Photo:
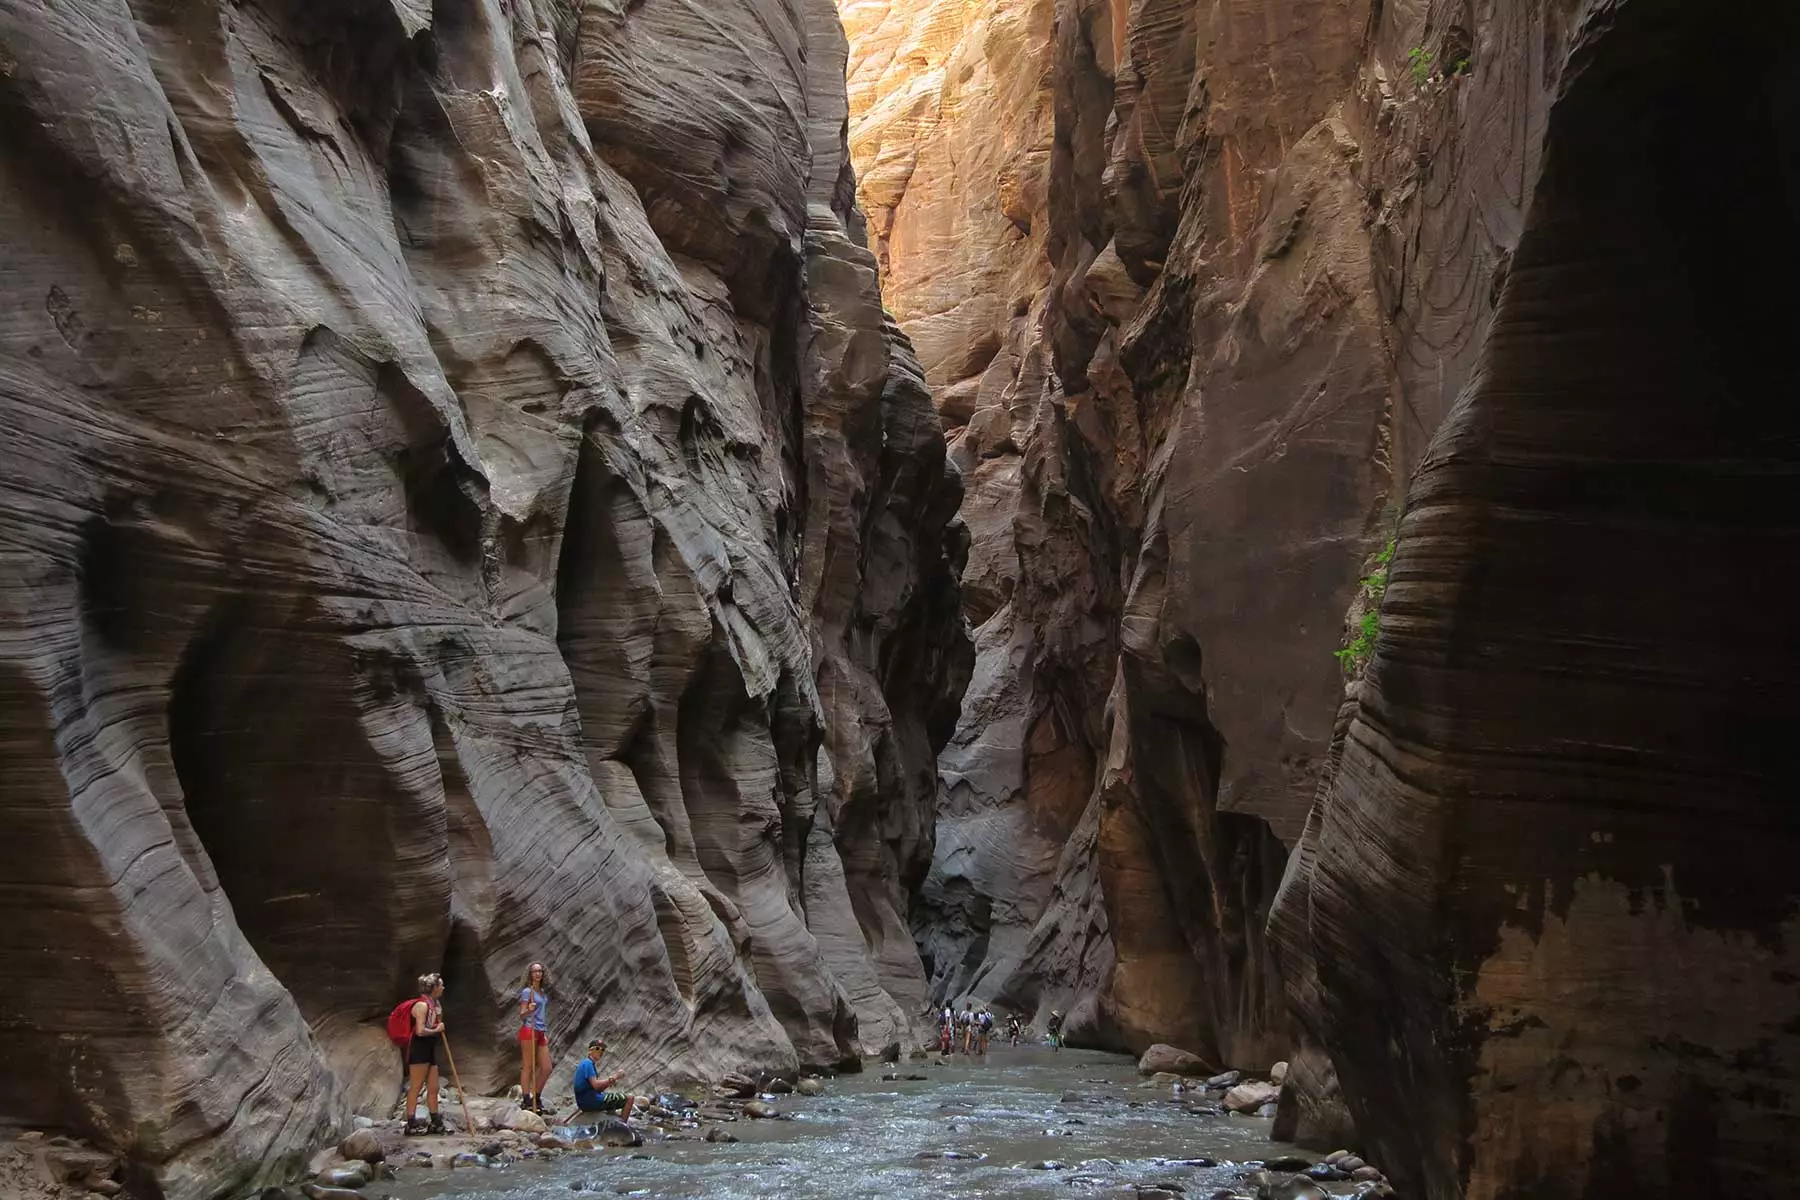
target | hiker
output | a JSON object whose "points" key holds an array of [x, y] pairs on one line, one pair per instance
{"points": [[986, 1022], [591, 1095], [534, 1037], [1013, 1029], [1055, 1024], [968, 1027], [422, 1048], [946, 1020]]}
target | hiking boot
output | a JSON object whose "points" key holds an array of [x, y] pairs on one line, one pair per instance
{"points": [[530, 1103], [414, 1128], [436, 1124]]}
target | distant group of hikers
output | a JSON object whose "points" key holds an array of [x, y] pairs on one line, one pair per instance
{"points": [[970, 1029], [416, 1026]]}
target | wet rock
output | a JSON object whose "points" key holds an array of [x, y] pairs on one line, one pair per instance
{"points": [[1248, 1097], [1164, 1057], [612, 1132], [1287, 1163], [915, 1077], [1224, 1080], [761, 1110], [1325, 1173], [810, 1086], [950, 1155], [1272, 1186], [1268, 1109], [1049, 1164], [721, 1136], [353, 1176], [778, 1087], [736, 1087], [1158, 1192], [319, 1191], [1278, 1073], [104, 1187], [1365, 1174], [362, 1145], [1164, 1079], [1348, 1163]]}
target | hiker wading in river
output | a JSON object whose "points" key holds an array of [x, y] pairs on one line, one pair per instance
{"points": [[422, 1055], [534, 1037]]}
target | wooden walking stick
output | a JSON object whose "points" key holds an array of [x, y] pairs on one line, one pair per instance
{"points": [[462, 1097]]}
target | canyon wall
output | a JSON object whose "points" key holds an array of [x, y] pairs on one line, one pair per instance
{"points": [[1492, 290], [462, 503]]}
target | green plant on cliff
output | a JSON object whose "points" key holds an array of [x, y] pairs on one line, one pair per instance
{"points": [[1354, 656], [1419, 59]]}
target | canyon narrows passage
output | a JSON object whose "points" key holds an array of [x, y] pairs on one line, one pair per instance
{"points": [[1301, 566]]}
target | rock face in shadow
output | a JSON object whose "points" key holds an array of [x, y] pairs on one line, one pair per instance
{"points": [[439, 534], [1551, 899], [1498, 282]]}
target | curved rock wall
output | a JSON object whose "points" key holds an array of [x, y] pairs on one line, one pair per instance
{"points": [[463, 503], [1493, 281]]}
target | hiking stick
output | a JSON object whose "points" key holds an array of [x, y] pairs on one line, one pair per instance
{"points": [[462, 1097]]}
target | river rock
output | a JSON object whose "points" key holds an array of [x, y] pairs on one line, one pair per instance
{"points": [[1224, 1080], [778, 1087], [1250, 1096], [1365, 1174], [354, 1175], [810, 1086], [1172, 1060], [760, 1109], [613, 1132], [715, 1134], [523, 1120], [364, 1145], [68, 1161], [320, 1191], [1278, 1073], [1348, 1162]]}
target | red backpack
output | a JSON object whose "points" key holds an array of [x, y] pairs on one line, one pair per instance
{"points": [[400, 1023]]}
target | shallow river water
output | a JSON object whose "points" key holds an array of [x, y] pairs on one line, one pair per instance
{"points": [[870, 1138]]}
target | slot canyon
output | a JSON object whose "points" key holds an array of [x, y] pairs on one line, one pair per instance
{"points": [[1256, 527]]}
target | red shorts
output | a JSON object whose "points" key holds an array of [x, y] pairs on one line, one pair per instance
{"points": [[527, 1035]]}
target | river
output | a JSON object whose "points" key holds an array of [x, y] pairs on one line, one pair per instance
{"points": [[1013, 1118]]}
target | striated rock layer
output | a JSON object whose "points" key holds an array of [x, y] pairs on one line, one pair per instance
{"points": [[1303, 268], [462, 503]]}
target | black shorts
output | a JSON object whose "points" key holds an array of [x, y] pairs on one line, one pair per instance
{"points": [[422, 1052]]}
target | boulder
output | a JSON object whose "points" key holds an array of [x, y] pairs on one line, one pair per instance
{"points": [[1250, 1096], [1224, 1079], [1172, 1059], [523, 1120], [363, 1145], [715, 1134], [810, 1086], [353, 1175], [760, 1109], [1278, 1074]]}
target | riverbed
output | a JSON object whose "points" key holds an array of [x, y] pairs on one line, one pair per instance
{"points": [[1026, 1122]]}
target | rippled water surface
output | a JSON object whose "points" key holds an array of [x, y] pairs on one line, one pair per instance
{"points": [[865, 1137]]}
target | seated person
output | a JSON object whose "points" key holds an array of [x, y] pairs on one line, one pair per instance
{"points": [[591, 1095]]}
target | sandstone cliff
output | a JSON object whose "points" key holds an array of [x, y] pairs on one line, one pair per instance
{"points": [[1306, 267], [462, 503]]}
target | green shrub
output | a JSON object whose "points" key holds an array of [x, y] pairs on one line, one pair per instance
{"points": [[1419, 59], [1355, 656]]}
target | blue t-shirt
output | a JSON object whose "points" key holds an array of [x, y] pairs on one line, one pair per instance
{"points": [[587, 1071], [538, 1015]]}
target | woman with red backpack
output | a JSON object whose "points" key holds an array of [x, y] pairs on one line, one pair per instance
{"points": [[425, 1023]]}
